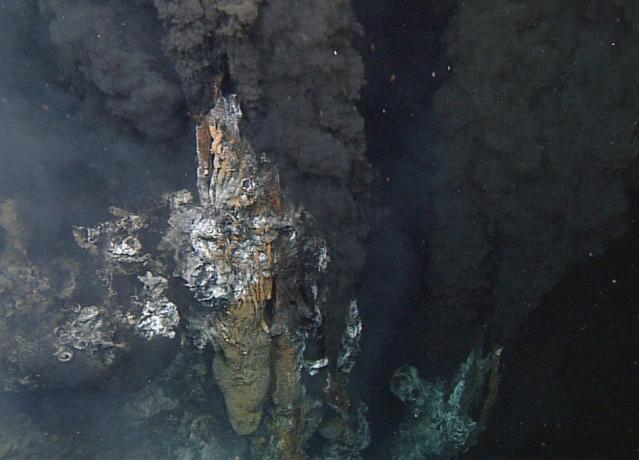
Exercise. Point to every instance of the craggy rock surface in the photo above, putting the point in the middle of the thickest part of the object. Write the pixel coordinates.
(230, 263)
(445, 417)
(52, 337)
(255, 266)
(296, 72)
(30, 302)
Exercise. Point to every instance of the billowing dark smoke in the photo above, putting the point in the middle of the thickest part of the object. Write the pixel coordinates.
(91, 103)
(537, 143)
(517, 146)
(68, 150)
(110, 54)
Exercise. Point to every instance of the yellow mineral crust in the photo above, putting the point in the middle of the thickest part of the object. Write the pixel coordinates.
(241, 370)
(238, 228)
(241, 366)
(253, 262)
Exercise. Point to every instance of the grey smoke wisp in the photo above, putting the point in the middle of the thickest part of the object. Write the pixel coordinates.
(109, 53)
(72, 145)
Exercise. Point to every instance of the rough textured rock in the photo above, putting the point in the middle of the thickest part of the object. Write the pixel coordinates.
(52, 337)
(32, 300)
(255, 264)
(444, 418)
(235, 252)
(196, 415)
(21, 438)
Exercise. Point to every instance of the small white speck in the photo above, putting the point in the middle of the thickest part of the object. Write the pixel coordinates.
(335, 52)
(614, 281)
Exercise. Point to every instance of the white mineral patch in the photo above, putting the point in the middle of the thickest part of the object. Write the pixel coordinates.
(89, 331)
(323, 259)
(350, 339)
(313, 367)
(159, 319)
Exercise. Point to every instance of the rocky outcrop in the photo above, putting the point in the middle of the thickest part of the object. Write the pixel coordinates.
(231, 262)
(445, 417)
(75, 322)
(32, 300)
(254, 263)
